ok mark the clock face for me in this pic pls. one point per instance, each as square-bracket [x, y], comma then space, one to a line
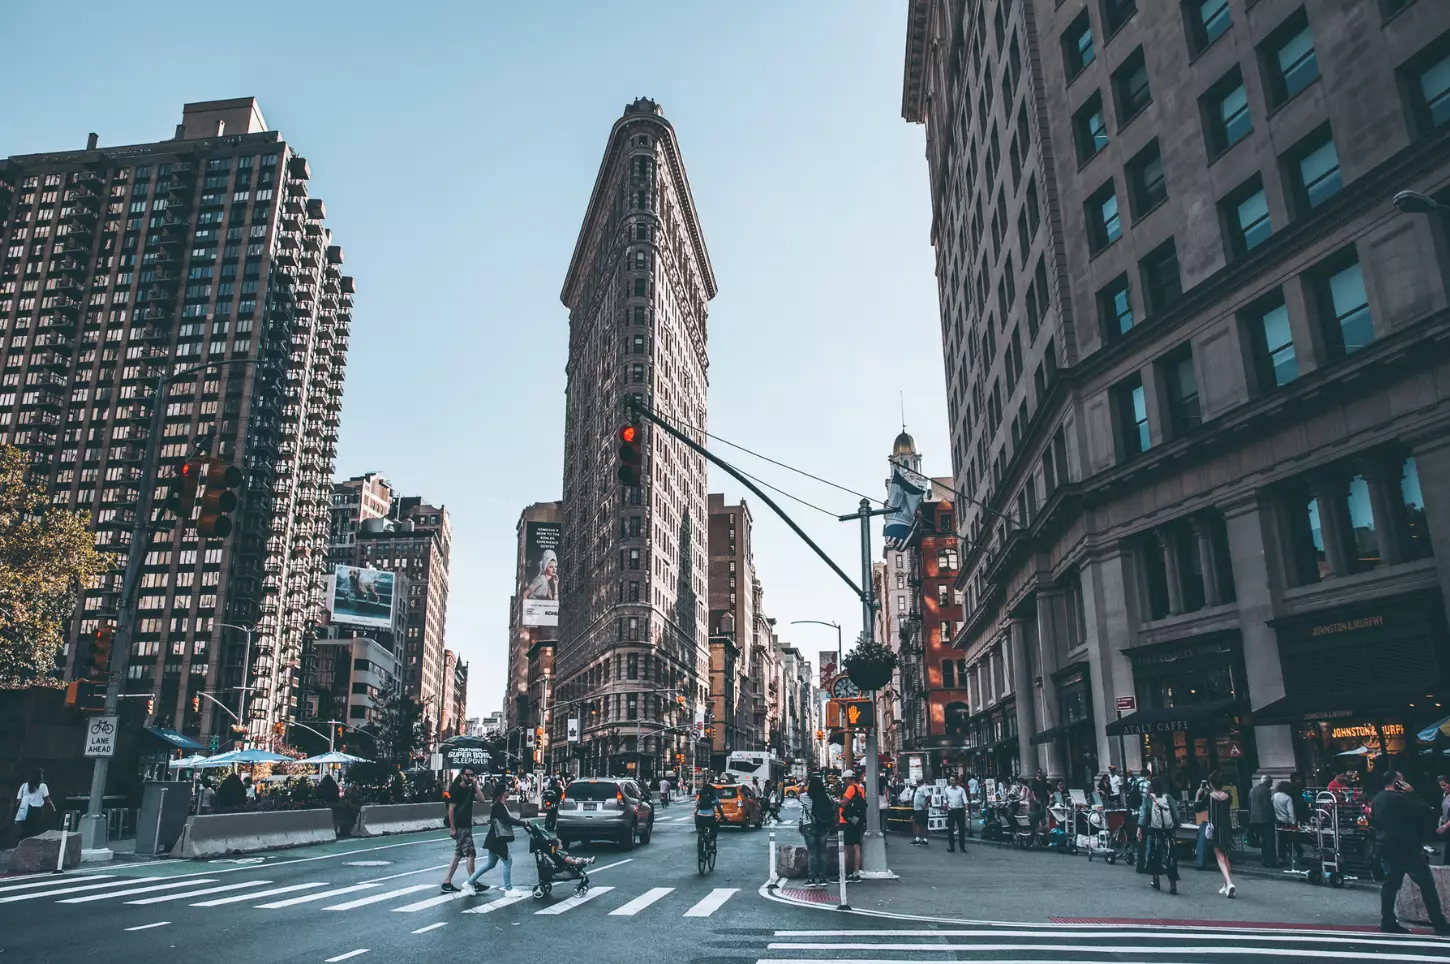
[844, 689]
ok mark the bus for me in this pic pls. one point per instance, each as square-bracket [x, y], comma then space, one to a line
[743, 766]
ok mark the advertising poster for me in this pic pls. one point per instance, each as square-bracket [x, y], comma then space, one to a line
[363, 597]
[827, 663]
[540, 598]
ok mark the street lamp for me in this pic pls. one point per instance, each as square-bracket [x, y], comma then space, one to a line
[1413, 202]
[246, 690]
[836, 626]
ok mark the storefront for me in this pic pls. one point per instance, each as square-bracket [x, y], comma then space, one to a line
[1361, 681]
[1073, 739]
[1192, 712]
[992, 750]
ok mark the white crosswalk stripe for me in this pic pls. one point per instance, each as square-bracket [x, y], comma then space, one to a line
[37, 895]
[199, 893]
[111, 894]
[564, 906]
[379, 898]
[499, 904]
[713, 902]
[306, 898]
[430, 902]
[238, 898]
[641, 902]
[49, 881]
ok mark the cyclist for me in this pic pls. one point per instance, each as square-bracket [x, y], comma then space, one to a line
[708, 812]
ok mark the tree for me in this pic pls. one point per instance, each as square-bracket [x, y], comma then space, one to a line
[46, 557]
[398, 731]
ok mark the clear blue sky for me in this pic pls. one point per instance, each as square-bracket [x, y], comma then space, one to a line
[455, 145]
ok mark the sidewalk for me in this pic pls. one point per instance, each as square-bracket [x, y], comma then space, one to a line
[991, 882]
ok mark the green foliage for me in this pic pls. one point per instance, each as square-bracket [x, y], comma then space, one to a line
[398, 732]
[46, 557]
[870, 664]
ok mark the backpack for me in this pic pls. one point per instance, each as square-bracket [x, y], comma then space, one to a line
[1160, 815]
[855, 809]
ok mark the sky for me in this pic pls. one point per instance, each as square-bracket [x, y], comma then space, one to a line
[455, 145]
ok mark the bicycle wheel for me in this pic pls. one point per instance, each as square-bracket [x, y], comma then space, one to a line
[712, 855]
[702, 852]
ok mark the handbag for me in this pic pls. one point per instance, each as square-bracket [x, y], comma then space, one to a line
[501, 830]
[1208, 830]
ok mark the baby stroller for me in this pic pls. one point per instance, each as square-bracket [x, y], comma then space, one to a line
[554, 863]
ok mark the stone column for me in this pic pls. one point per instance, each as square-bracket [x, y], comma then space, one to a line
[1203, 534]
[1026, 695]
[1432, 463]
[1258, 580]
[1167, 543]
[1051, 644]
[1383, 499]
[1333, 523]
[1110, 630]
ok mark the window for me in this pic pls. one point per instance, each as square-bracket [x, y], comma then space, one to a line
[1289, 61]
[1116, 13]
[1184, 414]
[1246, 216]
[1090, 130]
[1207, 21]
[1427, 79]
[1104, 226]
[1417, 536]
[1162, 286]
[1146, 186]
[1313, 169]
[1115, 308]
[1226, 113]
[1364, 552]
[1344, 306]
[1132, 405]
[1274, 343]
[1130, 87]
[948, 674]
[1077, 45]
[1311, 562]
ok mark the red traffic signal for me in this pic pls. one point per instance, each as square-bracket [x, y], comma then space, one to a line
[219, 500]
[631, 460]
[181, 495]
[99, 666]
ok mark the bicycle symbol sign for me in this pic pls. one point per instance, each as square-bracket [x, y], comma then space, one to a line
[101, 737]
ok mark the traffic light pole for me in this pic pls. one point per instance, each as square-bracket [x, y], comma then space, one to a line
[93, 822]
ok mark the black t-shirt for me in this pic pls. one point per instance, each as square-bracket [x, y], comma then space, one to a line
[462, 795]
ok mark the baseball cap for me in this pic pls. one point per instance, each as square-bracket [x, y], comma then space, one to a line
[849, 775]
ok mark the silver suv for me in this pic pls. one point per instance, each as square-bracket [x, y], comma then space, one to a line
[605, 808]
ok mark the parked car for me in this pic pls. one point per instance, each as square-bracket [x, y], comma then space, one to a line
[605, 808]
[740, 804]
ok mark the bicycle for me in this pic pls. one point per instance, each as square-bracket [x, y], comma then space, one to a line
[705, 849]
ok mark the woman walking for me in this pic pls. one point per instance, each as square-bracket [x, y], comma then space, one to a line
[32, 803]
[1220, 831]
[1157, 828]
[817, 821]
[501, 826]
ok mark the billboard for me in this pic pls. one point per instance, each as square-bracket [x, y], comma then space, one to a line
[540, 598]
[363, 597]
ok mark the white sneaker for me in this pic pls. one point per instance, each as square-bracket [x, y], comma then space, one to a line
[1223, 891]
[469, 889]
[1232, 891]
[515, 892]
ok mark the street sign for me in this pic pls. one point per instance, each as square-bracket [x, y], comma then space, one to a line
[215, 743]
[101, 736]
[1127, 704]
[574, 729]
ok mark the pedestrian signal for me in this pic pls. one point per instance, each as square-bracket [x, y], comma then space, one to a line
[860, 714]
[631, 461]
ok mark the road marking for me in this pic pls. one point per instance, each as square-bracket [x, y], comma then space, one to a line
[431, 927]
[617, 863]
[494, 905]
[572, 902]
[713, 902]
[641, 902]
[1115, 949]
[1114, 934]
[147, 927]
[52, 881]
[292, 901]
[343, 957]
[73, 890]
[199, 893]
[238, 898]
[430, 902]
[367, 863]
[379, 898]
[133, 890]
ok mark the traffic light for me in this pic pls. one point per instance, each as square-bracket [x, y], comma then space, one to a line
[538, 736]
[833, 715]
[820, 735]
[99, 666]
[196, 704]
[631, 461]
[150, 706]
[279, 728]
[181, 494]
[859, 714]
[680, 700]
[219, 499]
[340, 731]
[85, 696]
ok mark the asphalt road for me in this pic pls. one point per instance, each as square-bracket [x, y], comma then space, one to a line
[361, 900]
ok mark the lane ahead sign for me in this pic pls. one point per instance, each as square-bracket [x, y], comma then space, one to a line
[101, 736]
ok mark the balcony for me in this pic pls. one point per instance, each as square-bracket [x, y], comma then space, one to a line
[35, 440]
[38, 418]
[79, 219]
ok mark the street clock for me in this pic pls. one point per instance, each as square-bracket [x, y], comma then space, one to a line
[844, 689]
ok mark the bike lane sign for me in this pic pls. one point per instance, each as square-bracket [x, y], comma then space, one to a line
[101, 736]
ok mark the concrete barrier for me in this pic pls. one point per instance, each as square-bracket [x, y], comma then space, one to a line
[377, 819]
[218, 834]
[41, 853]
[1410, 903]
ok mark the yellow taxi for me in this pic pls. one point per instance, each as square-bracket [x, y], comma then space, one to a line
[740, 804]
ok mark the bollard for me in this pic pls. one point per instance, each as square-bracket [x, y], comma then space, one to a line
[770, 877]
[60, 859]
[160, 808]
[841, 862]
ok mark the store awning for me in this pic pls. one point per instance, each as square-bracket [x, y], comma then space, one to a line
[1363, 704]
[173, 739]
[1172, 718]
[1047, 736]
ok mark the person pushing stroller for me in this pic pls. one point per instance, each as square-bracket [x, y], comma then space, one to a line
[553, 863]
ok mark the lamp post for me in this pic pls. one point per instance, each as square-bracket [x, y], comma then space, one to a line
[245, 690]
[1413, 202]
[836, 626]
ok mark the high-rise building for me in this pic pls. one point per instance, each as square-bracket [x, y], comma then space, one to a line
[121, 264]
[455, 694]
[361, 497]
[632, 626]
[533, 615]
[731, 581]
[1197, 412]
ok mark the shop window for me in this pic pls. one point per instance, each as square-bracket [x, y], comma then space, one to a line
[1343, 305]
[1090, 128]
[1207, 20]
[1288, 57]
[1104, 225]
[1184, 413]
[1226, 113]
[1132, 405]
[1077, 45]
[1246, 217]
[1313, 170]
[1115, 308]
[1426, 81]
[1364, 546]
[1130, 88]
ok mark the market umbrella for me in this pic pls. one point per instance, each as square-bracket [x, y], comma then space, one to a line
[245, 756]
[193, 762]
[1434, 731]
[333, 756]
[1358, 751]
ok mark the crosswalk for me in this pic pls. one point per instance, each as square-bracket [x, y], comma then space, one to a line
[405, 893]
[1137, 944]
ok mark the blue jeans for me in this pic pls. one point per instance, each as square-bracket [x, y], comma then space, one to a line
[816, 853]
[493, 858]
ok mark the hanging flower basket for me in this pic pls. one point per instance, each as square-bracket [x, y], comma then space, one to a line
[869, 665]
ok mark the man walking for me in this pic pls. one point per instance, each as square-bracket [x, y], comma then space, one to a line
[920, 800]
[956, 800]
[1261, 817]
[1443, 828]
[853, 823]
[1402, 824]
[461, 796]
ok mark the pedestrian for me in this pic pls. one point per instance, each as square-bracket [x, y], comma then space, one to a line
[248, 789]
[32, 804]
[1301, 802]
[1040, 788]
[973, 787]
[665, 792]
[920, 802]
[1220, 830]
[817, 821]
[206, 800]
[1442, 829]
[1201, 846]
[1115, 784]
[1105, 791]
[1157, 832]
[853, 823]
[501, 826]
[1402, 824]
[1285, 826]
[231, 796]
[956, 801]
[462, 794]
[1261, 818]
[327, 790]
